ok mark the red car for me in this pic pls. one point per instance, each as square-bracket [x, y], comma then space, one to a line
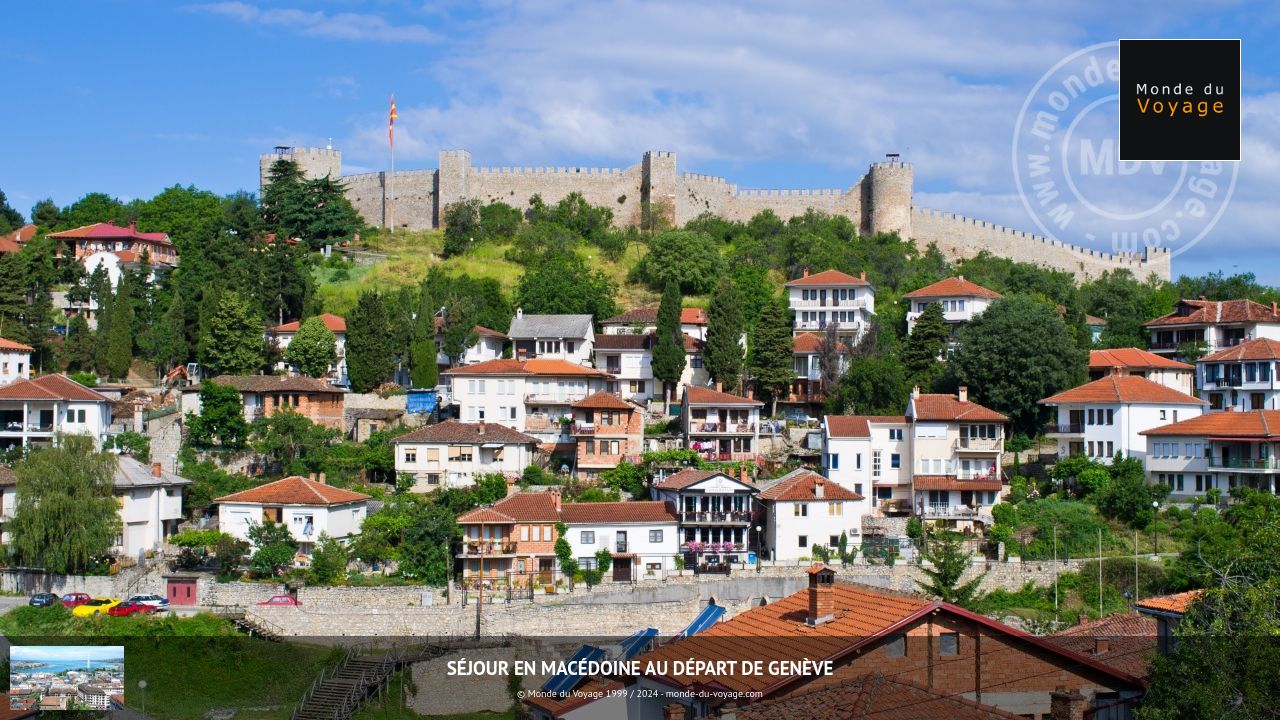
[71, 600]
[281, 601]
[132, 607]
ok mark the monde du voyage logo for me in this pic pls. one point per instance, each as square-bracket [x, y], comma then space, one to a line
[1128, 146]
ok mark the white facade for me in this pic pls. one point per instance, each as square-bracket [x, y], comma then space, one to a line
[150, 505]
[654, 544]
[553, 337]
[632, 368]
[37, 421]
[338, 369]
[305, 522]
[1242, 378]
[831, 296]
[486, 347]
[15, 363]
[1106, 416]
[875, 462]
[436, 464]
[955, 310]
[803, 509]
[531, 397]
[1217, 324]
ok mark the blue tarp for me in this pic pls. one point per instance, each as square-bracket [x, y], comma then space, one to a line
[637, 643]
[564, 682]
[421, 402]
[708, 617]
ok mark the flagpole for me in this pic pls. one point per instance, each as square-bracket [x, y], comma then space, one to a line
[391, 137]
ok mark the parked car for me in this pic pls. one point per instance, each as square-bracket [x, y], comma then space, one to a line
[44, 600]
[132, 607]
[155, 601]
[281, 601]
[72, 600]
[95, 606]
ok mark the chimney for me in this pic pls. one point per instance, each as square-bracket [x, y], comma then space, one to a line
[818, 490]
[480, 430]
[312, 477]
[822, 601]
[555, 497]
[742, 474]
[863, 276]
[1275, 308]
[673, 711]
[321, 479]
[1202, 298]
[963, 395]
[960, 278]
[1066, 704]
[519, 312]
[1101, 645]
[751, 393]
[806, 272]
[915, 391]
[137, 416]
[156, 470]
[719, 386]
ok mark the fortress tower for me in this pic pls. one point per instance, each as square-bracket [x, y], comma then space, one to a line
[658, 186]
[886, 201]
[313, 162]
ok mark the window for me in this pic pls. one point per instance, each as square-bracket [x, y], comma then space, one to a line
[1111, 448]
[835, 508]
[896, 646]
[875, 463]
[411, 456]
[433, 479]
[546, 533]
[835, 541]
[1091, 417]
[857, 487]
[1164, 414]
[695, 361]
[803, 541]
[588, 537]
[1111, 416]
[857, 461]
[800, 510]
[895, 460]
[655, 536]
[524, 533]
[895, 433]
[835, 461]
[949, 643]
[587, 563]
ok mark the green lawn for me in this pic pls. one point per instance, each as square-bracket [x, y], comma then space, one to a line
[389, 707]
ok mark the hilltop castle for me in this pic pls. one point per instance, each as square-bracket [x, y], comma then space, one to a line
[881, 201]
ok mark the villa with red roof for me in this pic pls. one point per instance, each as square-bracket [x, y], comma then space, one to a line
[803, 509]
[33, 412]
[1140, 363]
[719, 425]
[1217, 450]
[1107, 416]
[1217, 324]
[1243, 377]
[717, 513]
[641, 536]
[962, 300]
[281, 335]
[453, 454]
[115, 248]
[831, 296]
[644, 321]
[306, 506]
[15, 361]
[870, 455]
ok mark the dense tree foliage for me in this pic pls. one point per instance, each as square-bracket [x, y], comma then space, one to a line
[560, 282]
[221, 419]
[668, 344]
[370, 346]
[771, 346]
[231, 342]
[316, 210]
[313, 349]
[950, 558]
[723, 353]
[923, 348]
[690, 259]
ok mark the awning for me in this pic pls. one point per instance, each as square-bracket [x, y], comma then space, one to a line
[493, 445]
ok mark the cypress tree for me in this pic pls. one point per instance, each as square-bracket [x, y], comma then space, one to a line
[370, 346]
[120, 335]
[723, 353]
[927, 342]
[771, 357]
[668, 346]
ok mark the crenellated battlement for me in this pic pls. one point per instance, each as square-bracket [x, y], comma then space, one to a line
[770, 192]
[505, 170]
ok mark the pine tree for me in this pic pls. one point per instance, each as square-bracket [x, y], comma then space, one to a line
[168, 339]
[927, 343]
[120, 336]
[370, 347]
[771, 357]
[723, 352]
[77, 350]
[424, 372]
[13, 295]
[231, 343]
[668, 346]
[950, 559]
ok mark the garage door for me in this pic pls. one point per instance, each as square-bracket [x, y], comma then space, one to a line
[135, 537]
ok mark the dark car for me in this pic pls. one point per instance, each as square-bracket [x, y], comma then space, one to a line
[132, 607]
[44, 600]
[72, 600]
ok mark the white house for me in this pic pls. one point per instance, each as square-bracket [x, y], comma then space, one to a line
[282, 335]
[832, 297]
[802, 509]
[644, 321]
[1217, 450]
[628, 358]
[1107, 416]
[488, 345]
[962, 300]
[33, 412]
[641, 536]
[452, 454]
[150, 505]
[1133, 361]
[308, 508]
[559, 337]
[869, 455]
[1242, 377]
[1218, 324]
[15, 361]
[719, 425]
[716, 511]
[807, 392]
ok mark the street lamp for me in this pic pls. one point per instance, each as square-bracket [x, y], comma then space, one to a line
[759, 547]
[1155, 517]
[142, 686]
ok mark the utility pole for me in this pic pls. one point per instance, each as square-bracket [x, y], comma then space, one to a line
[1055, 572]
[1135, 567]
[480, 584]
[1099, 572]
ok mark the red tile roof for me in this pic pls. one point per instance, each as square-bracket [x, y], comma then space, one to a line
[802, 485]
[687, 477]
[14, 345]
[489, 332]
[828, 277]
[951, 482]
[810, 343]
[1130, 641]
[294, 490]
[859, 425]
[108, 230]
[602, 401]
[873, 696]
[1257, 349]
[948, 407]
[7, 245]
[953, 287]
[708, 396]
[49, 387]
[452, 431]
[692, 344]
[1122, 389]
[649, 316]
[1251, 424]
[520, 507]
[1132, 358]
[22, 234]
[335, 323]
[1204, 312]
[276, 383]
[1178, 603]
[536, 366]
[604, 513]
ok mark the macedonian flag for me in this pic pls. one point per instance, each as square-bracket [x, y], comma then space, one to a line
[391, 123]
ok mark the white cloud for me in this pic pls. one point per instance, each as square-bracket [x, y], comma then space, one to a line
[339, 26]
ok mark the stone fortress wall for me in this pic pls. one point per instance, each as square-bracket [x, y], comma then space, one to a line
[880, 201]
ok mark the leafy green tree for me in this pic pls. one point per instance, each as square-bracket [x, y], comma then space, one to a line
[230, 552]
[77, 349]
[500, 221]
[330, 215]
[950, 558]
[370, 349]
[562, 283]
[1015, 353]
[564, 551]
[133, 444]
[668, 345]
[626, 477]
[169, 340]
[926, 343]
[690, 259]
[314, 348]
[13, 296]
[328, 560]
[424, 372]
[221, 419]
[462, 229]
[231, 343]
[120, 335]
[1127, 497]
[872, 385]
[275, 548]
[185, 213]
[65, 516]
[723, 353]
[46, 215]
[286, 438]
[241, 215]
[597, 494]
[771, 356]
[90, 209]
[10, 219]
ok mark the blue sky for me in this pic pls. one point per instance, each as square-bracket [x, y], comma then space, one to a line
[130, 97]
[65, 653]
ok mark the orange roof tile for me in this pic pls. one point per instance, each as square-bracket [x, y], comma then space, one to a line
[692, 344]
[452, 431]
[1205, 312]
[828, 277]
[536, 366]
[49, 387]
[931, 406]
[1251, 424]
[873, 696]
[953, 287]
[1122, 389]
[109, 230]
[1257, 349]
[584, 693]
[294, 490]
[951, 482]
[1132, 358]
[1178, 603]
[602, 401]
[6, 344]
[604, 513]
[687, 477]
[520, 507]
[810, 343]
[22, 234]
[554, 366]
[1130, 646]
[847, 426]
[500, 366]
[709, 396]
[649, 316]
[335, 323]
[802, 485]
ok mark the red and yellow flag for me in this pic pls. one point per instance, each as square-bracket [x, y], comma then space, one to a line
[391, 123]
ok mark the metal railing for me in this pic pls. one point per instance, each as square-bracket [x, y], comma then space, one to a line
[1064, 428]
[731, 516]
[1269, 463]
[974, 443]
[716, 427]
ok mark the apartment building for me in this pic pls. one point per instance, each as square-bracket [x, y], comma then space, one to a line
[719, 425]
[1215, 324]
[607, 431]
[956, 451]
[307, 507]
[33, 412]
[316, 399]
[870, 455]
[1243, 377]
[552, 337]
[717, 512]
[1158, 369]
[150, 500]
[806, 394]
[511, 542]
[832, 297]
[644, 321]
[1107, 416]
[453, 454]
[629, 359]
[962, 300]
[1217, 450]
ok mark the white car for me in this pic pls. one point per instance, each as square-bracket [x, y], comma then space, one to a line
[155, 601]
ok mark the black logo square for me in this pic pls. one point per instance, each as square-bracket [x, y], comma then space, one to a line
[1179, 100]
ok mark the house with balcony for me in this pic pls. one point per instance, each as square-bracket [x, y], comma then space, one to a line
[316, 399]
[1217, 450]
[1213, 324]
[1242, 377]
[552, 337]
[644, 321]
[720, 426]
[453, 454]
[629, 359]
[807, 393]
[870, 455]
[15, 361]
[607, 431]
[642, 536]
[33, 412]
[717, 515]
[511, 542]
[116, 249]
[961, 300]
[307, 507]
[1158, 369]
[1107, 416]
[803, 509]
[956, 450]
[832, 297]
[150, 500]
[281, 335]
